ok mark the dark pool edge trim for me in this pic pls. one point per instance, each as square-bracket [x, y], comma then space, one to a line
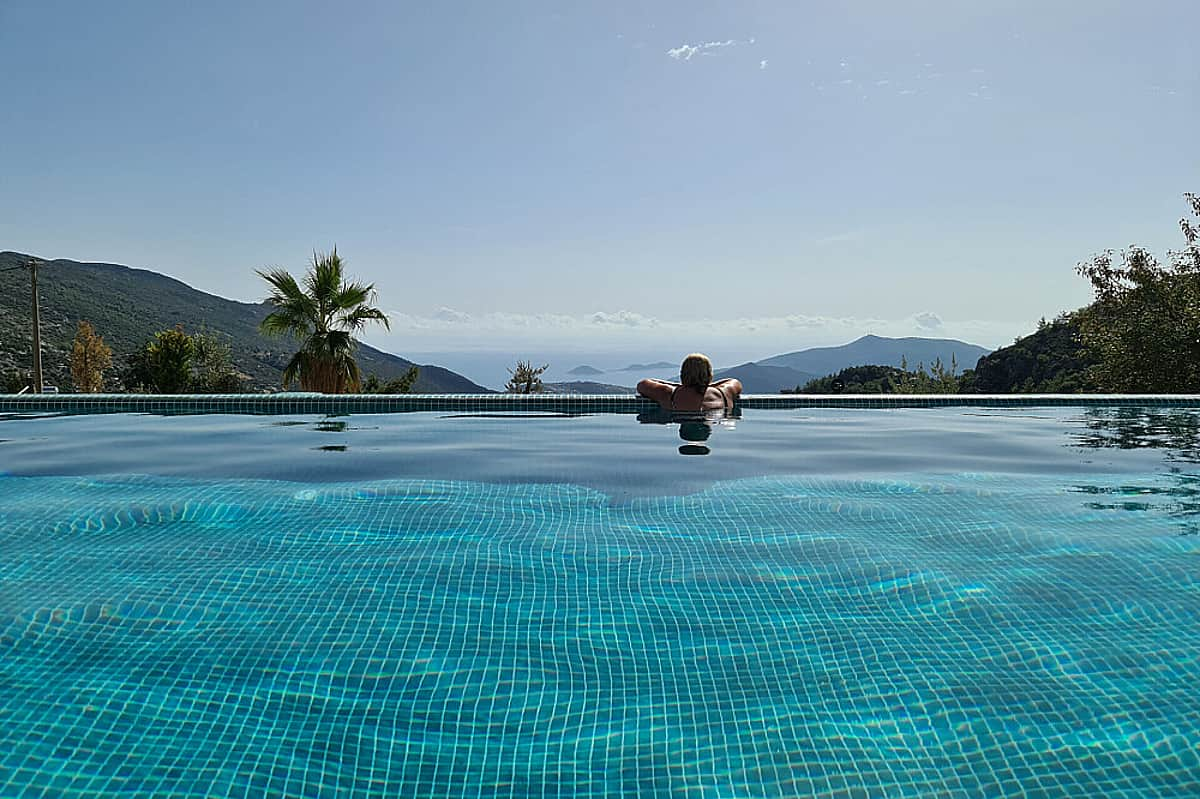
[274, 404]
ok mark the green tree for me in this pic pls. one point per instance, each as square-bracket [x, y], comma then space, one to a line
[212, 367]
[323, 316]
[168, 361]
[176, 363]
[13, 381]
[397, 385]
[90, 357]
[526, 379]
[1143, 328]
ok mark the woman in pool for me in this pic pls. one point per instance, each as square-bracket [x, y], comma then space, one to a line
[695, 390]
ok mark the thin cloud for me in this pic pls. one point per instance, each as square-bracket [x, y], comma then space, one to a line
[828, 324]
[928, 320]
[445, 314]
[685, 52]
[762, 64]
[623, 319]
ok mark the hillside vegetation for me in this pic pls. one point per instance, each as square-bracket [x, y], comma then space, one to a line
[128, 306]
[1051, 360]
[855, 380]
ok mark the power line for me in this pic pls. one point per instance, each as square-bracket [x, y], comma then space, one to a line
[40, 264]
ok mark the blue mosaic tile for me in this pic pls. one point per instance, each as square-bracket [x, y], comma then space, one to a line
[952, 635]
[517, 403]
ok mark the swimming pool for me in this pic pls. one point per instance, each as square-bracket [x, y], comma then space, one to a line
[833, 602]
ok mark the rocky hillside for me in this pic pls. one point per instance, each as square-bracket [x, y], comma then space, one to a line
[128, 306]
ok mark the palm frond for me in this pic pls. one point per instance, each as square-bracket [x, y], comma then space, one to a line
[295, 369]
[337, 344]
[324, 279]
[286, 322]
[294, 312]
[350, 295]
[358, 318]
[285, 285]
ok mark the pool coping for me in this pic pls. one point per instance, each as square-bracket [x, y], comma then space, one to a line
[304, 403]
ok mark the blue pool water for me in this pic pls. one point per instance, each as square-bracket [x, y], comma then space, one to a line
[830, 603]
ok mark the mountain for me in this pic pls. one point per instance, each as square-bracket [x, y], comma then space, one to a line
[771, 375]
[585, 370]
[759, 379]
[645, 367]
[585, 387]
[879, 351]
[128, 306]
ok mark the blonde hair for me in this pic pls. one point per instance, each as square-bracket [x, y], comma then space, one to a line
[696, 371]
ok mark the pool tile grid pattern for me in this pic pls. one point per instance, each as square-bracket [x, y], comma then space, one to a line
[966, 636]
[539, 403]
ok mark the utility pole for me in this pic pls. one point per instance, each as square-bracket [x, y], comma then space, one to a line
[37, 329]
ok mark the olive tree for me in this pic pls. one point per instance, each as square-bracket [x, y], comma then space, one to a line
[1144, 326]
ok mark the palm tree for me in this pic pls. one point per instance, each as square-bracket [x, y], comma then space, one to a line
[323, 315]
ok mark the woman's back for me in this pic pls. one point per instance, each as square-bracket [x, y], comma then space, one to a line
[687, 398]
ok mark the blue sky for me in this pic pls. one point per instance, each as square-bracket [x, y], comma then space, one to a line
[632, 177]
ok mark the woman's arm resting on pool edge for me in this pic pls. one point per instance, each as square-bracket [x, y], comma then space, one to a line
[657, 390]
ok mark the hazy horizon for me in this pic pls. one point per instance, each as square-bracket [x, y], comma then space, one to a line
[489, 368]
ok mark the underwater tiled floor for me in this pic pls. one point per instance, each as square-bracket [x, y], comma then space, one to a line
[957, 635]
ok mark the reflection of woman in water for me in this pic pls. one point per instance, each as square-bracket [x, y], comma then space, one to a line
[694, 426]
[695, 390]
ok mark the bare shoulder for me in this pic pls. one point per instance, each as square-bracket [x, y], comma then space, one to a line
[730, 385]
[657, 390]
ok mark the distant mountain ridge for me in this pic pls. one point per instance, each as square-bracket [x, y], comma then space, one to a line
[756, 378]
[773, 374]
[128, 306]
[880, 351]
[645, 367]
[586, 387]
